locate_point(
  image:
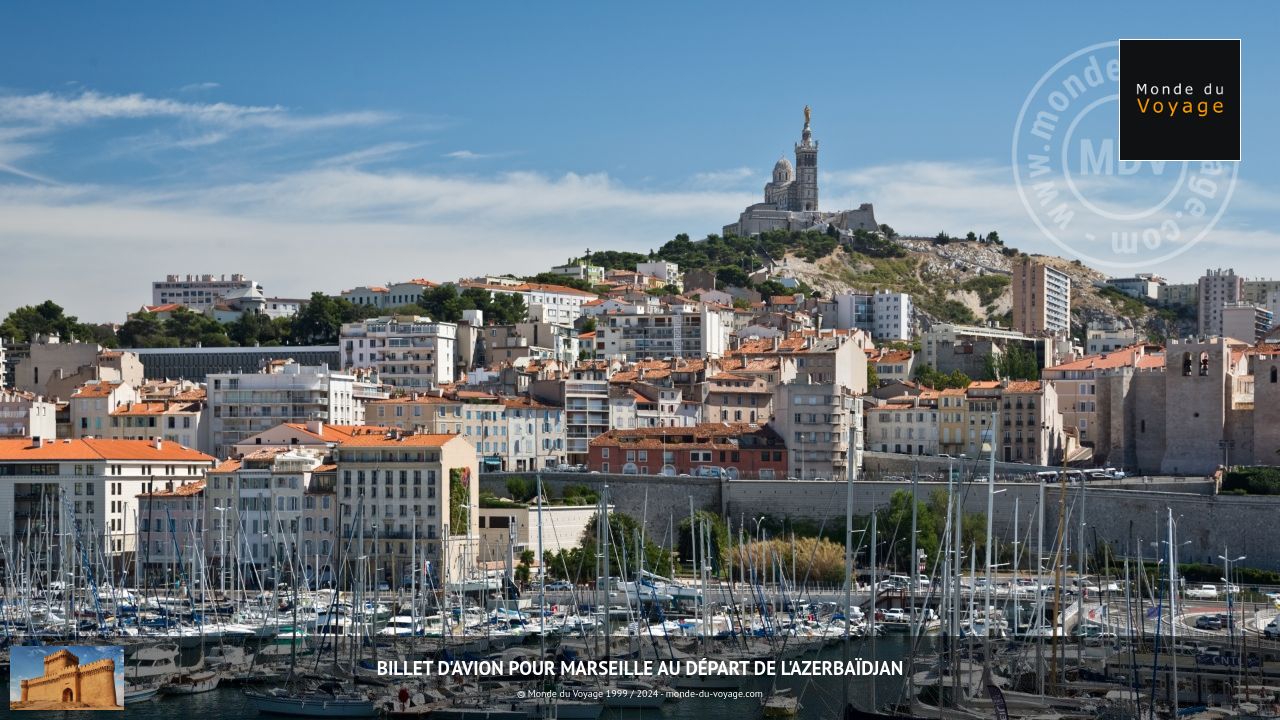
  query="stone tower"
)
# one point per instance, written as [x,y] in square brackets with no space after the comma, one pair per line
[805,188]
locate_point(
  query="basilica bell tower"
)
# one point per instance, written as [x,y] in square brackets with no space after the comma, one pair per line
[806,182]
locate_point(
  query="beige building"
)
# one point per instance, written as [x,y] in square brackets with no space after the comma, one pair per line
[817,422]
[393,486]
[1077,384]
[1030,424]
[1215,289]
[737,398]
[506,532]
[55,369]
[1041,298]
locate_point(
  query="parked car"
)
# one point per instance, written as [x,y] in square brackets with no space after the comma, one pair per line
[895,615]
[559,585]
[1272,630]
[1204,592]
[1208,622]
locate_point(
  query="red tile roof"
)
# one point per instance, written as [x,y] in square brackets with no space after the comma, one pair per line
[98,449]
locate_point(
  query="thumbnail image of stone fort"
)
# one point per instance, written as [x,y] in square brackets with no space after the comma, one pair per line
[68,685]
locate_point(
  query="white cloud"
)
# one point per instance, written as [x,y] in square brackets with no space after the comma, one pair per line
[198,87]
[469,155]
[51,110]
[733,179]
[365,156]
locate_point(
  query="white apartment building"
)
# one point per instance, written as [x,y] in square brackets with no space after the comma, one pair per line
[255,511]
[584,395]
[388,296]
[198,292]
[667,272]
[245,404]
[1101,338]
[405,351]
[92,482]
[508,433]
[692,330]
[24,414]
[907,425]
[891,313]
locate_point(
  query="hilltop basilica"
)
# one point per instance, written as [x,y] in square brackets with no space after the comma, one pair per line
[791,198]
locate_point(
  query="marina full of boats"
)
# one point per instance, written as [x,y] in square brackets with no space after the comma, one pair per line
[958,640]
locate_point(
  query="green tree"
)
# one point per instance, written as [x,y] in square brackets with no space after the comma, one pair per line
[459,500]
[47,318]
[873,377]
[719,540]
[320,321]
[894,527]
[141,330]
[1015,363]
[189,328]
[521,488]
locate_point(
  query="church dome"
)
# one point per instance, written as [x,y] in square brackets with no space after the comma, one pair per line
[782,171]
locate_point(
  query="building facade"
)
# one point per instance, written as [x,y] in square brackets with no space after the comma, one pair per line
[244,404]
[198,292]
[405,351]
[1041,298]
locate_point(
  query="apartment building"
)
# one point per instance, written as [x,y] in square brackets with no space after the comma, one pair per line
[391,295]
[255,515]
[55,369]
[24,414]
[1215,290]
[1030,427]
[405,351]
[508,433]
[732,450]
[907,424]
[51,486]
[494,346]
[689,330]
[584,394]
[1041,298]
[819,356]
[171,528]
[817,420]
[198,292]
[737,398]
[242,405]
[1245,321]
[394,487]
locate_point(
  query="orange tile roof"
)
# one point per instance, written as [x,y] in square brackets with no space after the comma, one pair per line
[340,433]
[153,408]
[397,440]
[98,449]
[1023,386]
[95,390]
[166,307]
[183,490]
[894,356]
[1124,357]
[227,466]
[324,468]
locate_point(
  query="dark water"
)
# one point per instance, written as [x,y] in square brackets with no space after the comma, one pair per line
[820,697]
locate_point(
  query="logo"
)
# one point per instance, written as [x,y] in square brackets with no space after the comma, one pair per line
[1107,211]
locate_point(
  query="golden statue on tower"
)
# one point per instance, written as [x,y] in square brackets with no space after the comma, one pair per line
[806,114]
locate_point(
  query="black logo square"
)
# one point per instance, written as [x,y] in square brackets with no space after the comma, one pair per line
[1180,100]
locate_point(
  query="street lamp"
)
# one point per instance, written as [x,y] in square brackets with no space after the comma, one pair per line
[1226,579]
[222,550]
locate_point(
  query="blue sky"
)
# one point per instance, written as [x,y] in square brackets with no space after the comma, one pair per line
[323,146]
[27,661]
